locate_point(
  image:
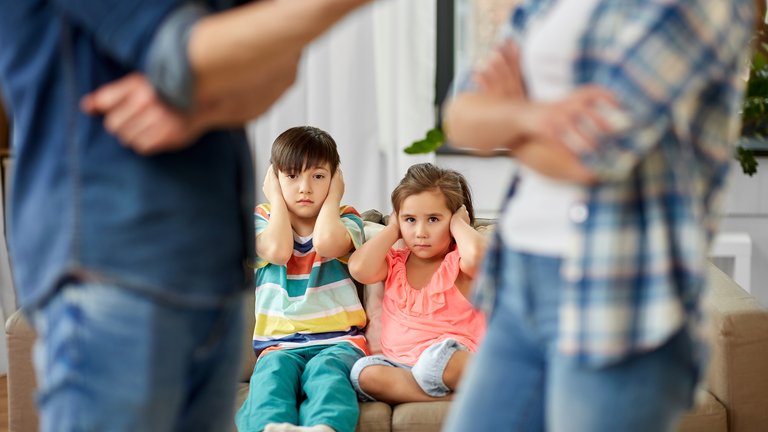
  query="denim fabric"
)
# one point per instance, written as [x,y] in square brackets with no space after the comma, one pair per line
[110,359]
[428,370]
[305,386]
[518,381]
[175,225]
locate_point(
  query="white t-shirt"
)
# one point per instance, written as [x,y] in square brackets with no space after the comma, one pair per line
[538,219]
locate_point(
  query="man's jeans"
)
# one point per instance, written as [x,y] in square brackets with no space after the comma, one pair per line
[111,359]
[519,382]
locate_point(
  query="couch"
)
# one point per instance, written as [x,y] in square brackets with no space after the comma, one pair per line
[734,397]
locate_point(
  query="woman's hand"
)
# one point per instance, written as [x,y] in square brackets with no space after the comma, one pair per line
[574,123]
[500,75]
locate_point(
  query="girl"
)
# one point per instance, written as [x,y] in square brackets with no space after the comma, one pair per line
[429,327]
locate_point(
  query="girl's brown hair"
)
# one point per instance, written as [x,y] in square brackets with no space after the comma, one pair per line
[427,177]
[302,147]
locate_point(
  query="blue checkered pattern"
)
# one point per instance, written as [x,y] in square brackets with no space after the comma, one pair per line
[636,269]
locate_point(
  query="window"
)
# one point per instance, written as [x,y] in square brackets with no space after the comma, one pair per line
[466,32]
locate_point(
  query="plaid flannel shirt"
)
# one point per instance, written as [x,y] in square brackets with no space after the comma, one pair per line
[636,269]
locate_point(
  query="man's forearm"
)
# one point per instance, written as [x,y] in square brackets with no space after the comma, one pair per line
[267,86]
[226,48]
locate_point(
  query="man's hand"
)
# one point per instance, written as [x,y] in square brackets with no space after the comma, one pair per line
[142,121]
[139,118]
[272,190]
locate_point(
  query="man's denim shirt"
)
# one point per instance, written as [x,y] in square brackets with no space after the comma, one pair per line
[83,206]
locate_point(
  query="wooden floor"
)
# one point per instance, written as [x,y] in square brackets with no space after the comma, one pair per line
[3,404]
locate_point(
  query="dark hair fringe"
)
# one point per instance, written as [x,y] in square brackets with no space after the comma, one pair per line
[303,147]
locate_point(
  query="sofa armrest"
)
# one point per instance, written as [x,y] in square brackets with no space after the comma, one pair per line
[22,411]
[738,369]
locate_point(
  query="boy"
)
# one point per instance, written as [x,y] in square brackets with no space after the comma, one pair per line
[308,315]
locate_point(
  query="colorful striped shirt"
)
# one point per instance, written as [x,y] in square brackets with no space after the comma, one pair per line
[636,268]
[311,300]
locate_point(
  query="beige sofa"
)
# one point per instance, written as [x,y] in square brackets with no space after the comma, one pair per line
[734,397]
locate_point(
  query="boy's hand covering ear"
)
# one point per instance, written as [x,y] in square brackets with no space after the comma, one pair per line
[336,191]
[271,187]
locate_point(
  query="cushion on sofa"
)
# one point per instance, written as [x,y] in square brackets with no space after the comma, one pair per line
[419,416]
[707,415]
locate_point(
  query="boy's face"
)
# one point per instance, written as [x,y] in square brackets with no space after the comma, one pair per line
[305,192]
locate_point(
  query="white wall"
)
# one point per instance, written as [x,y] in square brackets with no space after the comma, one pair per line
[746,210]
[488,178]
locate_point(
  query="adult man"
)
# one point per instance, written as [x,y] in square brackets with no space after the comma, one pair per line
[129,266]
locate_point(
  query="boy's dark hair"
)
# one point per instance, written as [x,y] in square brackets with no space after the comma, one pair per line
[424,177]
[302,147]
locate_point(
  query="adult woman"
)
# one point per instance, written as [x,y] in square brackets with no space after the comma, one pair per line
[622,115]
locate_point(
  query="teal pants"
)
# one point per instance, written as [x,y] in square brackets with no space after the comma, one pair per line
[302,386]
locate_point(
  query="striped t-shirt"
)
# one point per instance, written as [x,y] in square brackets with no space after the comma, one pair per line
[311,300]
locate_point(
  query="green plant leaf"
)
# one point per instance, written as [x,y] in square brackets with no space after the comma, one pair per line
[433,140]
[746,158]
[436,135]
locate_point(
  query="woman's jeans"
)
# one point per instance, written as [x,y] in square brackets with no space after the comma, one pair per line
[518,381]
[112,359]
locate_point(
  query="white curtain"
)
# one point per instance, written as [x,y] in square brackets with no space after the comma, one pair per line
[369,82]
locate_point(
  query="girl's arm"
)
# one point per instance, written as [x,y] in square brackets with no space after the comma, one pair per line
[368,264]
[469,242]
[330,236]
[275,243]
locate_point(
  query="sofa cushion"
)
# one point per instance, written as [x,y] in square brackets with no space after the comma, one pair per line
[419,416]
[708,415]
[738,369]
[374,417]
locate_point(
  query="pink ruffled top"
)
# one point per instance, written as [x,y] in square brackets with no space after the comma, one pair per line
[414,319]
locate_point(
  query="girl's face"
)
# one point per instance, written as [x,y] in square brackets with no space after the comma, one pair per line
[304,192]
[425,223]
